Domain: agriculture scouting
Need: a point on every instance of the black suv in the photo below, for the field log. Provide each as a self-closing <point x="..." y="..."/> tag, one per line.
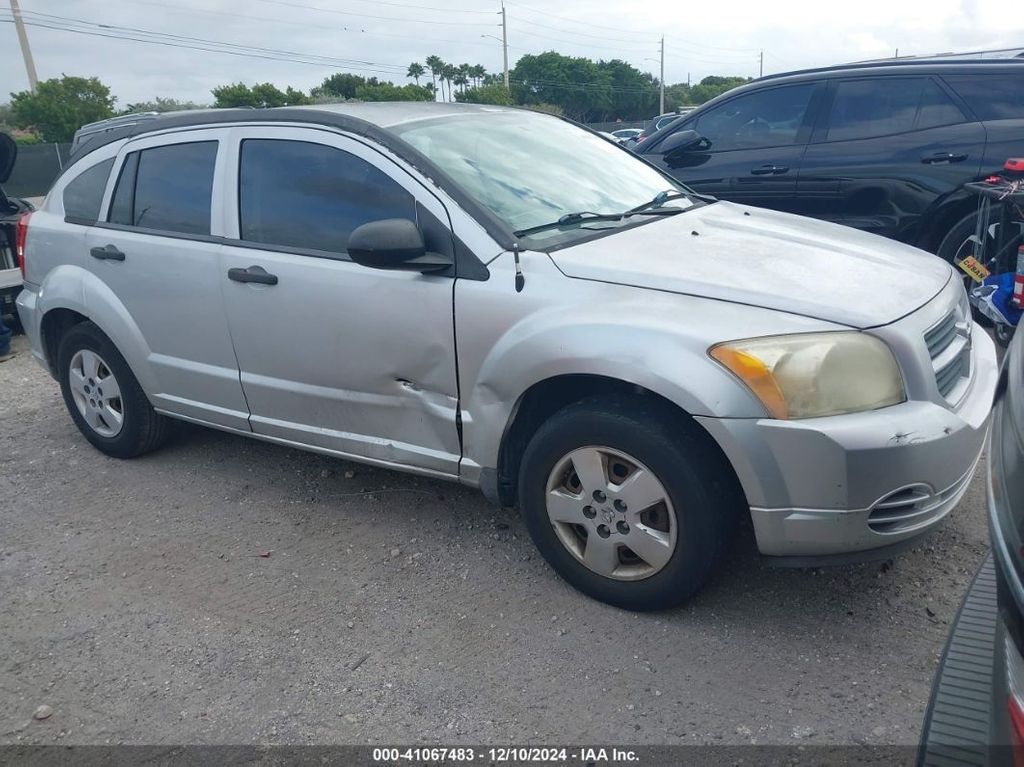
<point x="885" y="147"/>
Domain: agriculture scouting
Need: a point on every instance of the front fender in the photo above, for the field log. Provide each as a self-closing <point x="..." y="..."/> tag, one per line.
<point x="71" y="287"/>
<point x="562" y="326"/>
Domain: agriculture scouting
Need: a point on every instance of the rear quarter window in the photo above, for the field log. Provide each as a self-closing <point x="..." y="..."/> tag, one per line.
<point x="991" y="96"/>
<point x="84" y="194"/>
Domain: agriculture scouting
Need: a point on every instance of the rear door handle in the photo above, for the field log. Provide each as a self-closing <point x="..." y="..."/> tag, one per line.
<point x="107" y="253"/>
<point x="943" y="158"/>
<point x="769" y="170"/>
<point x="254" y="273"/>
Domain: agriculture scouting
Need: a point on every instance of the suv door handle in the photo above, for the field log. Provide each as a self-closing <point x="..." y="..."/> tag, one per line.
<point x="942" y="158"/>
<point x="769" y="170"/>
<point x="253" y="274"/>
<point x="107" y="253"/>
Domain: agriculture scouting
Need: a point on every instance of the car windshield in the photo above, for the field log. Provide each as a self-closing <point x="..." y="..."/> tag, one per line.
<point x="531" y="169"/>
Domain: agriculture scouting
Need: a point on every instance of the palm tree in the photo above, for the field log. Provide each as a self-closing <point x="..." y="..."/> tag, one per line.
<point x="416" y="71"/>
<point x="477" y="72"/>
<point x="448" y="73"/>
<point x="463" y="75"/>
<point x="435" y="64"/>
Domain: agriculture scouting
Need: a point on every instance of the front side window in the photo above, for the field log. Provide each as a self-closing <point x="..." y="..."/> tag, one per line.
<point x="991" y="96"/>
<point x="884" y="106"/>
<point x="84" y="194"/>
<point x="167" y="188"/>
<point x="310" y="196"/>
<point x="765" y="118"/>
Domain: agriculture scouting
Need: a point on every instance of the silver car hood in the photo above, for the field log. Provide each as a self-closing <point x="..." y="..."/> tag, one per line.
<point x="764" y="258"/>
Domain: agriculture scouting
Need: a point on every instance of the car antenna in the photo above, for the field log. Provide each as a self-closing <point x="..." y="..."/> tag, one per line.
<point x="520" y="279"/>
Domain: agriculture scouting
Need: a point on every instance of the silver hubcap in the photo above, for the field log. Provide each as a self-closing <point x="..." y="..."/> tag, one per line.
<point x="612" y="513"/>
<point x="96" y="393"/>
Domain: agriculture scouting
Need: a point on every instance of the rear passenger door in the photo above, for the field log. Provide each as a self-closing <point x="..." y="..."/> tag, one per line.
<point x="997" y="98"/>
<point x="354" y="360"/>
<point x="156" y="251"/>
<point x="886" y="150"/>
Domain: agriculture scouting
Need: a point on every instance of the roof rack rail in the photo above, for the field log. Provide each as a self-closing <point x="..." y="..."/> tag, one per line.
<point x="970" y="58"/>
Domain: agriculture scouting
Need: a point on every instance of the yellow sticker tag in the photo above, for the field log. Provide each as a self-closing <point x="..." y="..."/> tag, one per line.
<point x="974" y="269"/>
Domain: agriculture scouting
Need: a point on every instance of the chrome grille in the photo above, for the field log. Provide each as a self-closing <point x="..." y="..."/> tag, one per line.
<point x="949" y="347"/>
<point x="941" y="336"/>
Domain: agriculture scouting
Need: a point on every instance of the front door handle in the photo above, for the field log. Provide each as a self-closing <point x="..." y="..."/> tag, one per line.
<point x="107" y="253"/>
<point x="943" y="158"/>
<point x="254" y="273"/>
<point x="769" y="170"/>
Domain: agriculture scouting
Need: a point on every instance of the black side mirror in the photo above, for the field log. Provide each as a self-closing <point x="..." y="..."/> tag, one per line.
<point x="394" y="243"/>
<point x="681" y="141"/>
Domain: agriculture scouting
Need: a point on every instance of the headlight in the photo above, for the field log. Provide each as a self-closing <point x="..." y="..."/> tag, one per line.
<point x="815" y="374"/>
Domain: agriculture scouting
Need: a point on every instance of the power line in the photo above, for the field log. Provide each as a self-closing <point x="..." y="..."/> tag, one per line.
<point x="288" y="4"/>
<point x="283" y="56"/>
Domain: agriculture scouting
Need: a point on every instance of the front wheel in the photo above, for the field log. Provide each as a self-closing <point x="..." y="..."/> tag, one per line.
<point x="630" y="503"/>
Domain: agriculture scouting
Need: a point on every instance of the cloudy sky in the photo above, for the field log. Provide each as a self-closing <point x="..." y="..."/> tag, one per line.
<point x="381" y="37"/>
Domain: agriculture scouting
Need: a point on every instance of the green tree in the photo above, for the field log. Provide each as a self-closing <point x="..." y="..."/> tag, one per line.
<point x="485" y="94"/>
<point x="161" y="104"/>
<point x="712" y="86"/>
<point x="436" y="65"/>
<point x="416" y="71"/>
<point x="575" y="84"/>
<point x="477" y="73"/>
<point x="342" y="85"/>
<point x="448" y="75"/>
<point x="392" y="92"/>
<point x="61" y="106"/>
<point x="261" y="95"/>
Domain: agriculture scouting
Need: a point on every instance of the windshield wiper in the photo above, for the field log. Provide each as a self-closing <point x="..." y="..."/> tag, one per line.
<point x="586" y="216"/>
<point x="658" y="200"/>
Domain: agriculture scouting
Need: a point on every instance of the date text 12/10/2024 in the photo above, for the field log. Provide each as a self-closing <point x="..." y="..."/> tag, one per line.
<point x="499" y="754"/>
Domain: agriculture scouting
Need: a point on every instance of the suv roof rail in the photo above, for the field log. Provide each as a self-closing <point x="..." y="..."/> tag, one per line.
<point x="1017" y="57"/>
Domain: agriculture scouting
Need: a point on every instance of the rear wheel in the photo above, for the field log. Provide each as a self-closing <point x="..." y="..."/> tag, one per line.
<point x="628" y="502"/>
<point x="103" y="396"/>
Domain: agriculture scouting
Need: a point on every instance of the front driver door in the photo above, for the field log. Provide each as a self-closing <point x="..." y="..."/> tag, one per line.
<point x="752" y="147"/>
<point x="353" y="360"/>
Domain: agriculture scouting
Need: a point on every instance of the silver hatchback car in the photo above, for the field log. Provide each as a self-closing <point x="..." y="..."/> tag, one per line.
<point x="500" y="298"/>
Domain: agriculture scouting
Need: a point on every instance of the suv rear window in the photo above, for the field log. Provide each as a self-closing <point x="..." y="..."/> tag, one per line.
<point x="310" y="196"/>
<point x="991" y="96"/>
<point x="168" y="188"/>
<point x="84" y="194"/>
<point x="883" y="106"/>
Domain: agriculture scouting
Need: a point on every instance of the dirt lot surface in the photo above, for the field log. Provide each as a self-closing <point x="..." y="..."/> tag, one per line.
<point x="223" y="590"/>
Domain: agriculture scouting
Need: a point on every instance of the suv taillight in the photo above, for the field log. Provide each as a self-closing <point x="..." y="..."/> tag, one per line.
<point x="20" y="235"/>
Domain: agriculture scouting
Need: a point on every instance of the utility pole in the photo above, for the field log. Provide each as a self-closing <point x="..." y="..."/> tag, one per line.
<point x="26" y="52"/>
<point x="760" y="71"/>
<point x="504" y="42"/>
<point x="897" y="53"/>
<point x="661" y="107"/>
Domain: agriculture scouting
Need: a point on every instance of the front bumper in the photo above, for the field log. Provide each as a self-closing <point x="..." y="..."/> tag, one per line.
<point x="832" y="486"/>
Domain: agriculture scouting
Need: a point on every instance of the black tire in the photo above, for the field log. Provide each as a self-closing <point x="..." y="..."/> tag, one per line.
<point x="698" y="479"/>
<point x="956" y="237"/>
<point x="143" y="429"/>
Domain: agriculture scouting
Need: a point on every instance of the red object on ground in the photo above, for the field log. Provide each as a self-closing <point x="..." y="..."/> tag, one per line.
<point x="1015" y="164"/>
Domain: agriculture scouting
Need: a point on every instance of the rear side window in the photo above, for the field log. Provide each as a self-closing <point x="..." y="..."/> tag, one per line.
<point x="84" y="194"/>
<point x="309" y="196"/>
<point x="168" y="188"/>
<point x="991" y="96"/>
<point x="880" y="107"/>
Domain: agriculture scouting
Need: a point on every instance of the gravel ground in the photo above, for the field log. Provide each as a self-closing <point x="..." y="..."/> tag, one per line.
<point x="224" y="590"/>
